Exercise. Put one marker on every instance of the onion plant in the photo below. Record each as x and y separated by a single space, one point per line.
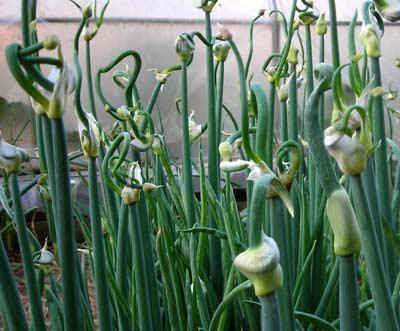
316 246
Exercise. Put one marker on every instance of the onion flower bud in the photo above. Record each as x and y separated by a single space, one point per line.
11 157
194 129
261 266
184 47
234 166
370 39
130 195
293 55
58 99
51 43
350 155
347 237
221 51
90 137
225 151
389 9
321 27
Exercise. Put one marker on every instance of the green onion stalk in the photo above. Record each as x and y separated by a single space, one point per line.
213 133
319 260
260 262
90 139
281 232
10 300
339 210
11 159
293 135
109 196
66 228
370 38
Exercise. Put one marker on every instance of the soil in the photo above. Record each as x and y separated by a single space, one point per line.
16 265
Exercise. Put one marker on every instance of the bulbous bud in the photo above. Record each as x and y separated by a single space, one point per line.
11 157
283 93
234 166
224 33
221 51
57 105
87 11
270 74
123 113
293 55
321 27
261 266
194 129
225 151
371 40
45 258
199 3
389 9
51 43
184 47
149 187
157 145
397 62
347 237
308 17
130 195
350 155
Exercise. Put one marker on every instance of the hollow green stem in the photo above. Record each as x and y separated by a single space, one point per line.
381 165
244 110
66 229
142 286
27 261
100 275
385 315
9 296
348 294
188 195
279 232
270 316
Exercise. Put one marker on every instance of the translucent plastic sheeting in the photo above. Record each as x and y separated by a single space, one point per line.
151 27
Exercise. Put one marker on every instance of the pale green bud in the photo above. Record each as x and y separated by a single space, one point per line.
261 266
397 62
370 38
149 187
184 47
389 9
293 55
224 33
57 105
347 237
283 93
321 27
130 195
157 145
234 166
225 151
350 155
221 51
11 157
51 43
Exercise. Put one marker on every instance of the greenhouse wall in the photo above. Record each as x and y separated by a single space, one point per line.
151 28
